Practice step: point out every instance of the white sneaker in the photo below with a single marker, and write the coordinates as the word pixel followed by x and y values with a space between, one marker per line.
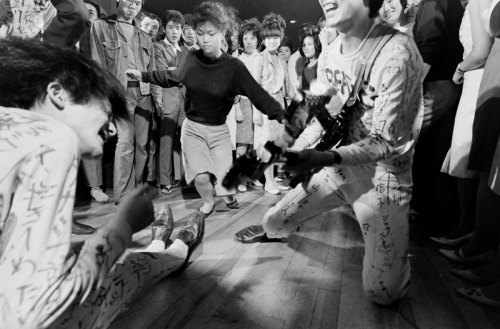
pixel 98 195
pixel 242 188
pixel 271 188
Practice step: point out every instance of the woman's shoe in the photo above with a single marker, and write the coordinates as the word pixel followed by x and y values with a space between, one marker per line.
pixel 471 277
pixel 457 256
pixel 271 188
pixel 452 243
pixel 233 205
pixel 477 295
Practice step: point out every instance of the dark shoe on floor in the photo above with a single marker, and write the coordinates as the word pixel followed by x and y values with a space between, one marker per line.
pixel 163 225
pixel 471 277
pixel 79 228
pixel 452 243
pixel 475 294
pixel 233 205
pixel 192 232
pixel 253 234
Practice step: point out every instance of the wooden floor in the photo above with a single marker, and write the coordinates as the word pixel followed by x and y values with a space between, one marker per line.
pixel 312 280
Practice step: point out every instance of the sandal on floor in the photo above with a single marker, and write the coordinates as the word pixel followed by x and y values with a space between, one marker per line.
pixel 458 257
pixel 233 205
pixel 477 295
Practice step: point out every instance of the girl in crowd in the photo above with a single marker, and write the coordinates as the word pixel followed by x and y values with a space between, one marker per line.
pixel 249 40
pixel 286 48
pixel 310 49
pixel 477 45
pixel 273 77
pixel 213 79
pixel 395 13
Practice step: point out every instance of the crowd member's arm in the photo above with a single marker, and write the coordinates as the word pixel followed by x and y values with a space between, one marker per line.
pixel 246 85
pixel 96 39
pixel 481 45
pixel 70 23
pixel 161 65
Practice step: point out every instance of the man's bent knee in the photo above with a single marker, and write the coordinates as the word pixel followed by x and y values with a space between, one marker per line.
pixel 384 293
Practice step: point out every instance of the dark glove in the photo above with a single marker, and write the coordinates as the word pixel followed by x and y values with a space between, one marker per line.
pixel 309 159
pixel 136 208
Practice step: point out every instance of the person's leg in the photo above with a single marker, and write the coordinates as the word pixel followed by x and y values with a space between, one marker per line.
pixel 168 126
pixel 467 195
pixel 205 189
pixel 198 161
pixel 93 172
pixel 141 128
pixel 220 148
pixel 434 193
pixel 485 235
pixel 269 185
pixel 383 216
pixel 153 148
pixel 132 273
pixel 123 176
pixel 321 193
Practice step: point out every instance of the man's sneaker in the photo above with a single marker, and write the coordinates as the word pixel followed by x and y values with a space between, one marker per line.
pixel 98 195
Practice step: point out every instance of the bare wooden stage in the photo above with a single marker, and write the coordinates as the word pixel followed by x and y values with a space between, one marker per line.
pixel 312 280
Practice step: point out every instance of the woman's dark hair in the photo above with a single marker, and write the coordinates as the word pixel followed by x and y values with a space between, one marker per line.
pixel 27 67
pixel 309 30
pixel 212 12
pixel 252 26
pixel 273 25
pixel 374 6
pixel 174 16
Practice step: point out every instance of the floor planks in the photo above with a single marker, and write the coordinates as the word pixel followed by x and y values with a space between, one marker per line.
pixel 311 280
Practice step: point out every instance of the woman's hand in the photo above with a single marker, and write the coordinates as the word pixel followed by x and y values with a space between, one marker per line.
pixel 458 77
pixel 133 74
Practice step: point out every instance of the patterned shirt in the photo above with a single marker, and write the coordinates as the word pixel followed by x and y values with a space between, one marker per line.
pixel 41 274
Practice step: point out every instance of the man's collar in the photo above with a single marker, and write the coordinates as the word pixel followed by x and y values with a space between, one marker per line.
pixel 176 47
pixel 112 19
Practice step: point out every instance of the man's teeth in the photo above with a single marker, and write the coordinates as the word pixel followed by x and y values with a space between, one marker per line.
pixel 330 6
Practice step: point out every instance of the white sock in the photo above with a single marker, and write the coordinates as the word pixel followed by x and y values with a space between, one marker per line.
pixel 155 246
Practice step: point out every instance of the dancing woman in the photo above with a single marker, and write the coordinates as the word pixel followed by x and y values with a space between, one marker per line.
pixel 212 79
